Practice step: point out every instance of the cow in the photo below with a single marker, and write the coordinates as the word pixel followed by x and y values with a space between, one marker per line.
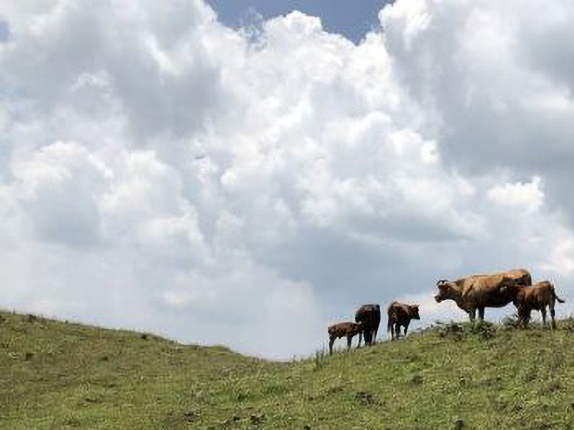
pixel 482 291
pixel 401 314
pixel 536 297
pixel 370 317
pixel 344 329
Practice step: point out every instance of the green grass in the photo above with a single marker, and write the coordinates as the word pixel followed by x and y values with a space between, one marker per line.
pixel 55 375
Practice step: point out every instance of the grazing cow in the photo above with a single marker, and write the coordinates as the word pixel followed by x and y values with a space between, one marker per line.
pixel 401 314
pixel 481 291
pixel 344 329
pixel 535 297
pixel 370 317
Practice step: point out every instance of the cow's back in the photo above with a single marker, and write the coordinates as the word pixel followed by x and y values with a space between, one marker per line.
pixel 398 313
pixel 342 329
pixel 485 291
pixel 369 314
pixel 540 292
pixel 520 276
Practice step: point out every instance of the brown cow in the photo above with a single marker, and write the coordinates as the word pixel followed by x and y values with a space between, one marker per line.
pixel 344 329
pixel 535 297
pixel 370 316
pixel 401 314
pixel 481 291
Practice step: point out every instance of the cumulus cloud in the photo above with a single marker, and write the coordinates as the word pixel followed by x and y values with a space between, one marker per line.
pixel 163 172
pixel 495 75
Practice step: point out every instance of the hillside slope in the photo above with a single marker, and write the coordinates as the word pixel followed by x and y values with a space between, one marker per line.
pixel 57 376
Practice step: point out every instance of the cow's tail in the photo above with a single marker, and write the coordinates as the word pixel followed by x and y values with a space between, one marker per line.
pixel 556 297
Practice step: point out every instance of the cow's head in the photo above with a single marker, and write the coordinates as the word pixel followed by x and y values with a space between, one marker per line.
pixel 415 312
pixel 445 290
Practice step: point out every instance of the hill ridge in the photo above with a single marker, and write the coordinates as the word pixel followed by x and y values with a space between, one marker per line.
pixel 58 375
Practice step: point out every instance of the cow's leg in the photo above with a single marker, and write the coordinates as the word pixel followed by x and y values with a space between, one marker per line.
pixel 526 317
pixel 543 312
pixel 481 313
pixel 552 314
pixel 349 341
pixel 522 316
pixel 331 342
pixel 392 331
pixel 397 331
pixel 407 327
pixel 360 337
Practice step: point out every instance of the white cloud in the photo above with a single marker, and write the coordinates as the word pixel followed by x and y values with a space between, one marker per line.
pixel 57 188
pixel 528 197
pixel 161 171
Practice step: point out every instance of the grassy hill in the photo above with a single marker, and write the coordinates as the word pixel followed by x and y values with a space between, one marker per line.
pixel 55 375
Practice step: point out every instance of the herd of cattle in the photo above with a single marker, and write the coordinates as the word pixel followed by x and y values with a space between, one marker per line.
pixel 471 294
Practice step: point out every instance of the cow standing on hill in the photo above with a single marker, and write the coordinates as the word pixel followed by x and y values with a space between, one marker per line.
pixel 370 317
pixel 401 314
pixel 344 329
pixel 536 297
pixel 478 292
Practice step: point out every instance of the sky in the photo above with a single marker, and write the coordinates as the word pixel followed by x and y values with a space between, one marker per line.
pixel 167 167
pixel 349 18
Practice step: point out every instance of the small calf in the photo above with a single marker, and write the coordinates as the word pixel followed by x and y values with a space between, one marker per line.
pixel 536 297
pixel 344 329
pixel 401 314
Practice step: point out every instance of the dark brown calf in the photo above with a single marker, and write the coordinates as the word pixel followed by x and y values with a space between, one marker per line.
pixel 345 329
pixel 401 314
pixel 370 317
pixel 537 298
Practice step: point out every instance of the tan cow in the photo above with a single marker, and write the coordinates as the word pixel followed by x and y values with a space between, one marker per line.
pixel 536 297
pixel 401 314
pixel 482 291
pixel 344 329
